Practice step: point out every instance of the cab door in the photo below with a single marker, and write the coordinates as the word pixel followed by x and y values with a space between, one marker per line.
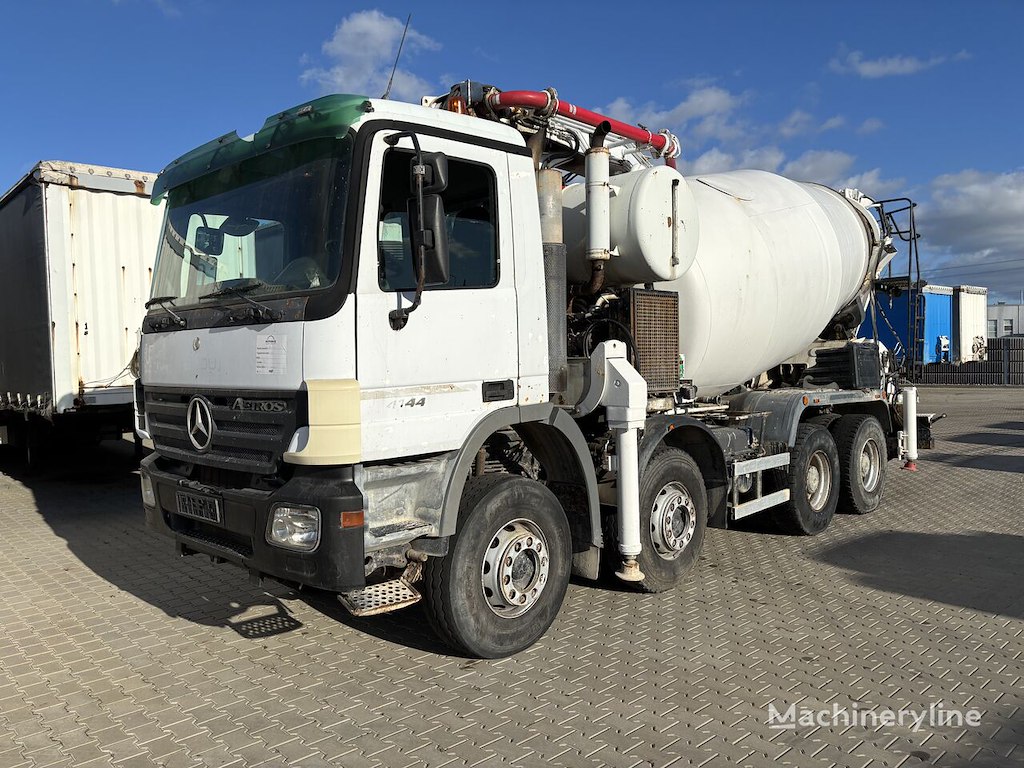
pixel 424 387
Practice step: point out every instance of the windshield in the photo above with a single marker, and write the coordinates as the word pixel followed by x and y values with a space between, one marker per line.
pixel 269 225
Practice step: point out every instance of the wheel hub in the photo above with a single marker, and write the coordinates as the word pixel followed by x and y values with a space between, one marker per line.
pixel 870 465
pixel 673 521
pixel 515 568
pixel 819 480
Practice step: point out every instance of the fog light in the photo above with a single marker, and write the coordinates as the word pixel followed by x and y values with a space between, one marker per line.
pixel 294 528
pixel 148 493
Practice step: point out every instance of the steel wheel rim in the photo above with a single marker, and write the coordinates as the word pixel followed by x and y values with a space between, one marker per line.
pixel 673 521
pixel 819 480
pixel 515 568
pixel 870 465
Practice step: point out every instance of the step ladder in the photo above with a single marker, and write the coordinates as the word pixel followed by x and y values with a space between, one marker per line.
pixel 385 596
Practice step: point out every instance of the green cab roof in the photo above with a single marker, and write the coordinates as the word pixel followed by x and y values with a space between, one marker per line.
pixel 324 117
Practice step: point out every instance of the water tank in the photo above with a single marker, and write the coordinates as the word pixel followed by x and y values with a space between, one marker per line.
pixel 773 261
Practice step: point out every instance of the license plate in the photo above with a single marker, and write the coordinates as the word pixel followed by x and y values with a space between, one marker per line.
pixel 199 507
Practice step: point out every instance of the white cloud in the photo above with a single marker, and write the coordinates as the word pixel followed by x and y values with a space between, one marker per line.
pixel 974 220
pixel 717 137
pixel 833 168
pixel 974 207
pixel 707 108
pixel 712 161
pixel 826 166
pixel 361 53
pixel 870 125
pixel 836 121
pixel 799 122
pixel 715 160
pixel 166 7
pixel 796 123
pixel 763 158
pixel 874 185
pixel 853 62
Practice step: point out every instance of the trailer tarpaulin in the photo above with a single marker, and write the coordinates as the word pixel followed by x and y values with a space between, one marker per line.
pixel 25 349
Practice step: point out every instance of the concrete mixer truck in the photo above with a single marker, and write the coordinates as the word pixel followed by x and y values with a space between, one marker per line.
pixel 462 349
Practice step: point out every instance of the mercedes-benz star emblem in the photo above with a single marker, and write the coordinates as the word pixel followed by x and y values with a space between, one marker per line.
pixel 199 423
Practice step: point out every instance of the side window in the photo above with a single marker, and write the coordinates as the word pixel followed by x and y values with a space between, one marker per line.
pixel 471 221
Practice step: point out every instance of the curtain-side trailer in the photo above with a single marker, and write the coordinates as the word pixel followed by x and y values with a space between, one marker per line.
pixel 76 248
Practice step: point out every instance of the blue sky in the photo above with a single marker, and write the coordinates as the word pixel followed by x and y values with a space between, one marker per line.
pixel 911 98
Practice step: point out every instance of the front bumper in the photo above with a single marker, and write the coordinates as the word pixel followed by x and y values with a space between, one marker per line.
pixel 337 564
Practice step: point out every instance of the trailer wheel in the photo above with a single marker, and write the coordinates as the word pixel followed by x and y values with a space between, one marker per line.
pixel 862 461
pixel 503 580
pixel 813 481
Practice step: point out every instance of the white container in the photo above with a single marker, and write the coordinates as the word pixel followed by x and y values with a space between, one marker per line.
pixel 654 228
pixel 970 326
pixel 77 243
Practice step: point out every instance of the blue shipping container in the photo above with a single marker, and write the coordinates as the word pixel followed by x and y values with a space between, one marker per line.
pixel 935 315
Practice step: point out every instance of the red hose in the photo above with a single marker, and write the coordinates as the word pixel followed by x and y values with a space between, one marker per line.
pixel 541 100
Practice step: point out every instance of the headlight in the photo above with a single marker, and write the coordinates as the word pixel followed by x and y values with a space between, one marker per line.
pixel 294 528
pixel 148 494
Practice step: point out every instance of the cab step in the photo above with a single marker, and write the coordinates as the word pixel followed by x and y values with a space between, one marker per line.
pixel 383 597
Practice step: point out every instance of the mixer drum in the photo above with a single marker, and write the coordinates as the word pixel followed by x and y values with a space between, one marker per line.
pixel 761 263
pixel 777 259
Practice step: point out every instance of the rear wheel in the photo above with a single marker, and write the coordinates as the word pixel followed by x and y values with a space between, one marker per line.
pixel 673 519
pixel 862 462
pixel 813 481
pixel 503 580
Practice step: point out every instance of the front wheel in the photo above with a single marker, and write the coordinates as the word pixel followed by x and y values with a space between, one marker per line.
pixel 813 481
pixel 503 580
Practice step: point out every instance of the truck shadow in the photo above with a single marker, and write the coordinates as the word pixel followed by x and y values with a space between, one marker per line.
pixel 991 462
pixel 90 499
pixel 1010 425
pixel 979 570
pixel 1000 439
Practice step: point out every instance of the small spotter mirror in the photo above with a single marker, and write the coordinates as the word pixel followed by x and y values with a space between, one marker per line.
pixel 435 178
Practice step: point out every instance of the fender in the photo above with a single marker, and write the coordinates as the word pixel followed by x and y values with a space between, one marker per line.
pixel 784 408
pixel 568 461
pixel 707 446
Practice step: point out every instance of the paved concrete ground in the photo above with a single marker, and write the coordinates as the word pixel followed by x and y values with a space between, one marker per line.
pixel 112 651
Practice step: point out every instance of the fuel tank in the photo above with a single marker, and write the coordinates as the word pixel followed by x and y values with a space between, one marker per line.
pixel 762 264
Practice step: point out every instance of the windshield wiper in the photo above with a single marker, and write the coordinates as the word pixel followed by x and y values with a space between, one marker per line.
pixel 165 303
pixel 261 312
pixel 237 290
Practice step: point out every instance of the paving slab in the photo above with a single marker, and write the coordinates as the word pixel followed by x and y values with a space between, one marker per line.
pixel 113 651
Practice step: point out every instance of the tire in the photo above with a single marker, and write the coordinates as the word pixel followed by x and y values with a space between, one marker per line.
pixel 814 460
pixel 484 602
pixel 862 462
pixel 673 520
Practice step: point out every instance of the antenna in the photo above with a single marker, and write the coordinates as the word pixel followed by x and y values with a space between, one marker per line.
pixel 398 55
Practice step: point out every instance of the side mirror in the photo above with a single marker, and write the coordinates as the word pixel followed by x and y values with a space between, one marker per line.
pixel 434 238
pixel 435 178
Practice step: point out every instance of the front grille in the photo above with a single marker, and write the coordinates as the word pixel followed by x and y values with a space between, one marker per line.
pixel 653 320
pixel 243 440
